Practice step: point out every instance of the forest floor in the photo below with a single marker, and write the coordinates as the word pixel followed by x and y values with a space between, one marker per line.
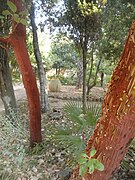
pixel 50 161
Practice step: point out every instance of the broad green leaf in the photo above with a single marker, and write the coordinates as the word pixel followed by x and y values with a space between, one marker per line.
pixel 6 13
pixel 83 169
pixel 12 6
pixel 98 165
pixel 82 160
pixel 16 18
pixel 91 166
pixel 92 152
pixel 24 22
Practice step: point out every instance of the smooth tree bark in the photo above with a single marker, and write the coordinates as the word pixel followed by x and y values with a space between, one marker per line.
pixel 116 127
pixel 17 39
pixel 6 86
pixel 41 72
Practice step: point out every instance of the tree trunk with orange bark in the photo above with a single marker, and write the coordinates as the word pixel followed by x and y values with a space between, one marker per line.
pixel 18 42
pixel 116 127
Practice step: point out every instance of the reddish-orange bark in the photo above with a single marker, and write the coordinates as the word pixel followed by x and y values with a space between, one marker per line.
pixel 18 42
pixel 29 81
pixel 116 127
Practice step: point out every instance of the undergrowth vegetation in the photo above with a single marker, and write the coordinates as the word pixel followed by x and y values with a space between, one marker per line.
pixel 64 142
pixel 13 141
pixel 72 134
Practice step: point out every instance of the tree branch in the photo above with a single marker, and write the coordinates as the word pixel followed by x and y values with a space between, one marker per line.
pixel 4 40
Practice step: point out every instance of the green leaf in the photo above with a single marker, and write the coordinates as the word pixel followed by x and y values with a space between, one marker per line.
pixel 82 160
pixel 83 169
pixel 24 22
pixel 12 6
pixel 6 13
pixel 91 166
pixel 92 152
pixel 98 165
pixel 16 18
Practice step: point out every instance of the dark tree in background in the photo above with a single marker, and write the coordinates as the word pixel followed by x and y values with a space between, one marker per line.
pixel 82 19
pixel 6 87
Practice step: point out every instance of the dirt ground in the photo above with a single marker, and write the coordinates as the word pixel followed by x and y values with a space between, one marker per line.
pixel 58 99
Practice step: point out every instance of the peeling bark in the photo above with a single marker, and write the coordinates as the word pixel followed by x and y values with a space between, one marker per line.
pixel 19 46
pixel 18 42
pixel 116 127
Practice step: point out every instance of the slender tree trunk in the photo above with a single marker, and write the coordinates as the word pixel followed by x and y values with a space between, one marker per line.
pixel 18 41
pixel 95 78
pixel 41 72
pixel 84 78
pixel 102 79
pixel 116 127
pixel 90 74
pixel 59 71
pixel 79 74
pixel 6 87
